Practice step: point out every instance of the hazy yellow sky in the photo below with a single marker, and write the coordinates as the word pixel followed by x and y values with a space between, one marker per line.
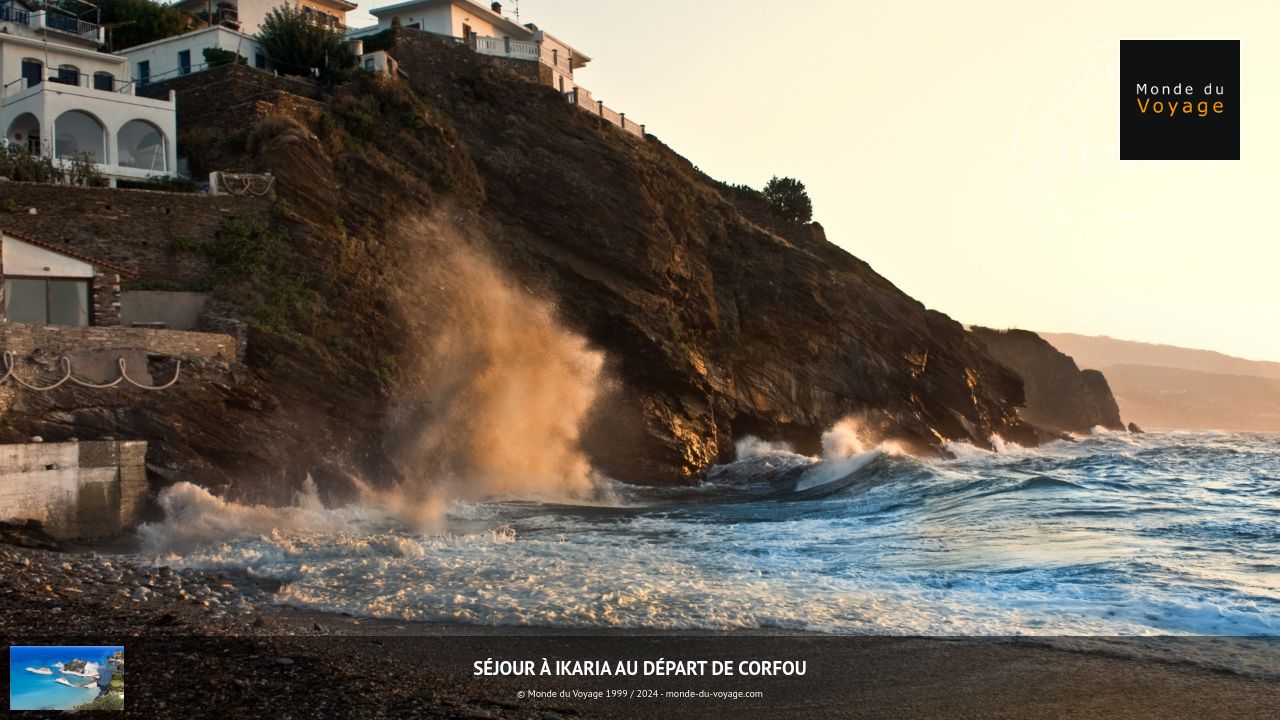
pixel 969 151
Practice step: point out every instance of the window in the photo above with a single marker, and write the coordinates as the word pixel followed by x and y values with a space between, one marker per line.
pixel 184 62
pixel 369 64
pixel 260 61
pixel 32 71
pixel 104 81
pixel 68 75
pixel 47 301
pixel 144 72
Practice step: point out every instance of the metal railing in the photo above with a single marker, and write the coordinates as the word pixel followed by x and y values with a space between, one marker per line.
pixel 69 24
pixel 9 13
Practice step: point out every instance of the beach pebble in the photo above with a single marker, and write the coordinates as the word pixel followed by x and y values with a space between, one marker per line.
pixel 550 716
pixel 477 713
pixel 284 661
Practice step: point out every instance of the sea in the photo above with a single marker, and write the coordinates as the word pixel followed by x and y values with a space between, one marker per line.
pixel 1109 534
pixel 32 691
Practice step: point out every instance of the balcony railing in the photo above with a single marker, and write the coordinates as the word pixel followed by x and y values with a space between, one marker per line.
pixel 9 13
pixel 505 47
pixel 57 20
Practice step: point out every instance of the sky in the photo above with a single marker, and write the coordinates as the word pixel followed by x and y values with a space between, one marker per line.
pixel 969 151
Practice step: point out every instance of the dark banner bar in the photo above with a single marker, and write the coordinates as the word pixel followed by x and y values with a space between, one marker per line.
pixel 744 676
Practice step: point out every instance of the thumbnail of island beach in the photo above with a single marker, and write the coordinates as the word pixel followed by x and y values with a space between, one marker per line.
pixel 56 677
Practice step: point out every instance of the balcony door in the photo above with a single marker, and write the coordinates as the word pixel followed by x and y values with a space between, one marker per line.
pixel 32 71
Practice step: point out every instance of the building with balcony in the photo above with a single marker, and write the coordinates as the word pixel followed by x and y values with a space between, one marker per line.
pixel 488 32
pixel 60 97
pixel 247 15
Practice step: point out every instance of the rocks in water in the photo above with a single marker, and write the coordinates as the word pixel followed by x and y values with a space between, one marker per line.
pixel 1060 397
pixel 1133 428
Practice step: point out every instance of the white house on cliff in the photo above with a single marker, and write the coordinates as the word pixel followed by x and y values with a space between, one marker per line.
pixel 488 32
pixel 62 98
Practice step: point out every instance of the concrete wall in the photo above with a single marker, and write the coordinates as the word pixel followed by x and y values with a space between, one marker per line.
pixel 80 490
pixel 177 310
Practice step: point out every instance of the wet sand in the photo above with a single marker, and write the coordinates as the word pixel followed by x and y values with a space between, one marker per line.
pixel 190 658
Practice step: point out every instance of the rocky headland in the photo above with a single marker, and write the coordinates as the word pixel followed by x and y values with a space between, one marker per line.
pixel 710 318
pixel 1060 396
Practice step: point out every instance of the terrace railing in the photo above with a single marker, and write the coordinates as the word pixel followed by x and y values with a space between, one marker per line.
pixel 59 20
pixel 9 13
pixel 581 97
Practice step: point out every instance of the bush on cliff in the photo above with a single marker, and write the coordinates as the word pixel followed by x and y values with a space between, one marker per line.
pixel 298 46
pixel 135 22
pixel 789 200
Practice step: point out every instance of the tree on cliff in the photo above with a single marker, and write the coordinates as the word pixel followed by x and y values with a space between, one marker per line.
pixel 789 200
pixel 135 22
pixel 298 46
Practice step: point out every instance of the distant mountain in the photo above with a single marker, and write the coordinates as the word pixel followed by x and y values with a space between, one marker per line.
pixel 1102 352
pixel 1160 397
pixel 1163 386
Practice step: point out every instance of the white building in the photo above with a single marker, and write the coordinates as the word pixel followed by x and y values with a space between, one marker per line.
pixel 247 15
pixel 62 97
pixel 234 28
pixel 172 57
pixel 488 32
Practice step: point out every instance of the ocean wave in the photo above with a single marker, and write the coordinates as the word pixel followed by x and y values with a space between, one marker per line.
pixel 1109 535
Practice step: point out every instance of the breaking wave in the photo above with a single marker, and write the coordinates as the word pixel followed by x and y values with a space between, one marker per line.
pixel 1112 535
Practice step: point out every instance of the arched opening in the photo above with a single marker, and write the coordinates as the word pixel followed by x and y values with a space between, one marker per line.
pixel 24 131
pixel 139 144
pixel 77 132
pixel 104 81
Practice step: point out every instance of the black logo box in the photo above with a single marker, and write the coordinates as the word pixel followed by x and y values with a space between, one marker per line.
pixel 1194 63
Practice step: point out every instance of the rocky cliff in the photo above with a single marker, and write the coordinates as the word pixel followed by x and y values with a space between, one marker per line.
pixel 1060 396
pixel 712 321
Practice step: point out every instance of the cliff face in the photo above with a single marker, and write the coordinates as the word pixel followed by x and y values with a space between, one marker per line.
pixel 714 322
pixel 1060 396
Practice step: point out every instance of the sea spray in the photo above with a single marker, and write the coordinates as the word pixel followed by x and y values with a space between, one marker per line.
pixel 491 397
pixel 494 390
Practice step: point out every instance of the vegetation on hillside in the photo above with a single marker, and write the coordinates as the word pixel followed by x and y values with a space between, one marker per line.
pixel 297 46
pixel 789 200
pixel 19 163
pixel 137 22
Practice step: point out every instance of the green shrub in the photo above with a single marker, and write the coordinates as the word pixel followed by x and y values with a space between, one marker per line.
pixel 297 46
pixel 789 200
pixel 217 57
pixel 19 163
pixel 136 22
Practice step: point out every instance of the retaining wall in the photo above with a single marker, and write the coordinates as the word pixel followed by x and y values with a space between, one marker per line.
pixel 75 490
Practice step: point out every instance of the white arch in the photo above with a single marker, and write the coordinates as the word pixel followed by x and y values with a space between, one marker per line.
pixel 142 144
pixel 25 132
pixel 77 131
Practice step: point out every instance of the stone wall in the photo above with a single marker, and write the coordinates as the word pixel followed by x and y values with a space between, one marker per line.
pixel 106 298
pixel 24 340
pixel 214 92
pixel 141 229
pixel 75 490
